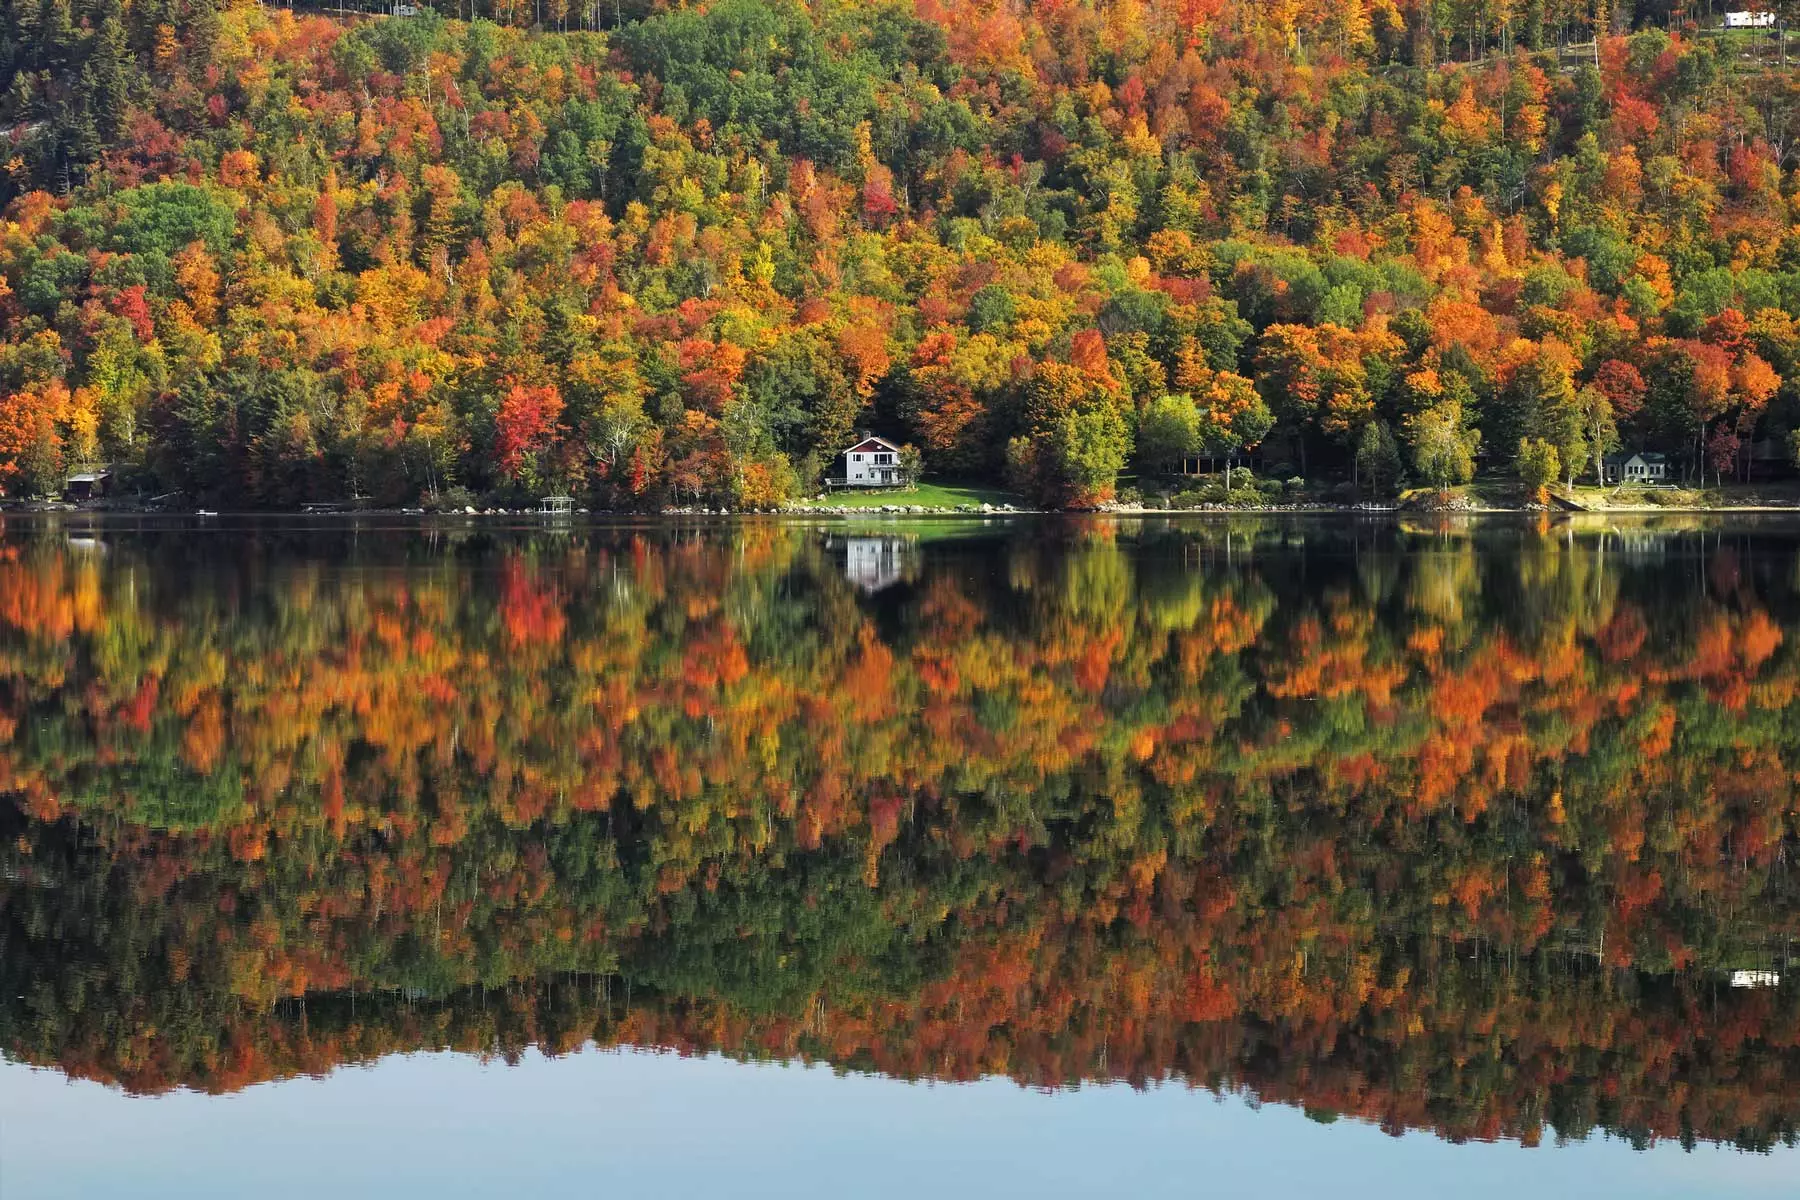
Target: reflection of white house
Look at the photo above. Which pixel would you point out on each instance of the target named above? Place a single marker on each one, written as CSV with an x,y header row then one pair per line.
x,y
1635,468
1640,544
873,563
1749,20
1755,979
873,462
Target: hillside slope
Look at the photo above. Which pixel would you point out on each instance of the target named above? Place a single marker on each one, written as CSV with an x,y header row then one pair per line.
x,y
265,257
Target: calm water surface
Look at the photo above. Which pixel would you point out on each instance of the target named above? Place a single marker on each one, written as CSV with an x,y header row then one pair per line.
x,y
1276,856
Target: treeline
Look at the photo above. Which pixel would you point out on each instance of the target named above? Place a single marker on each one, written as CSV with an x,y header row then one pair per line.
x,y
261,257
1448,831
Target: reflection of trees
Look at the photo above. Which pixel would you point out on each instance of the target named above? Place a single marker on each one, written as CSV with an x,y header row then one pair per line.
x,y
1444,583
1562,589
1439,829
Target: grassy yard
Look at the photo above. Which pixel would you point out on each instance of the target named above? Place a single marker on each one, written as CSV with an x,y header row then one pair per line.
x,y
1488,493
1776,494
1501,493
927,494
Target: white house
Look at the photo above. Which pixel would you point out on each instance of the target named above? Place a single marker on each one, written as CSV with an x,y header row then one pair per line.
x,y
1755,979
873,462
1749,20
1635,468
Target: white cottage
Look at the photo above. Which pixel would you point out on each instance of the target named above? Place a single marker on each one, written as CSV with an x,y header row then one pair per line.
x,y
873,462
1747,19
1755,979
1635,468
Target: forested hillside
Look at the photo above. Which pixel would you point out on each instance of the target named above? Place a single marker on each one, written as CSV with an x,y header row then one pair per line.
x,y
681,254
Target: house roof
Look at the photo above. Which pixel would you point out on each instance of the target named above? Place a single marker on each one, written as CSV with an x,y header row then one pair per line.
x,y
873,443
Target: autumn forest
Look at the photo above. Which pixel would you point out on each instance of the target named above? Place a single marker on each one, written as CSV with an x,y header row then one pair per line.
x,y
653,254
1485,829
1459,828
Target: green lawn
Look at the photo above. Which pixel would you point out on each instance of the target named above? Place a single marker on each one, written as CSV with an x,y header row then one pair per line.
x,y
927,495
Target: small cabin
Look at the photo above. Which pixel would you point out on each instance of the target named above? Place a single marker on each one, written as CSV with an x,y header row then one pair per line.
x,y
1635,468
873,462
87,485
1749,20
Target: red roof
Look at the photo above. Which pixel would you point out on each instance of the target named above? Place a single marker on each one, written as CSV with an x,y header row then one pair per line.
x,y
872,443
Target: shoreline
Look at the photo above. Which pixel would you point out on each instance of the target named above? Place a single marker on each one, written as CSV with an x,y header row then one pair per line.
x,y
851,512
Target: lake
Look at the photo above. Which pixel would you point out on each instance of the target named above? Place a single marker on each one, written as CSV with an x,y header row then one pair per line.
x,y
1062,856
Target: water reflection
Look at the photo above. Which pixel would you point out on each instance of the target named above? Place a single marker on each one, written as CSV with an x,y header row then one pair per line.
x,y
1465,830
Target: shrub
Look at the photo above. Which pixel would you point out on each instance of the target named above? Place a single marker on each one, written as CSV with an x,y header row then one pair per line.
x,y
1198,497
451,499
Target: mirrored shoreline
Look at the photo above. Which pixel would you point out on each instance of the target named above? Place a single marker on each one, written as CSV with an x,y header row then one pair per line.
x,y
1485,830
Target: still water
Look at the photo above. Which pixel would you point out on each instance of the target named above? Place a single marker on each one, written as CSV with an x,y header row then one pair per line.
x,y
1043,857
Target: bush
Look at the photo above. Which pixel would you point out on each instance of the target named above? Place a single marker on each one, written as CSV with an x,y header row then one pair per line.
x,y
1245,489
451,499
1198,497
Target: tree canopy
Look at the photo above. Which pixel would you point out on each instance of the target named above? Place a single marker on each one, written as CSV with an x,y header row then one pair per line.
x,y
643,253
